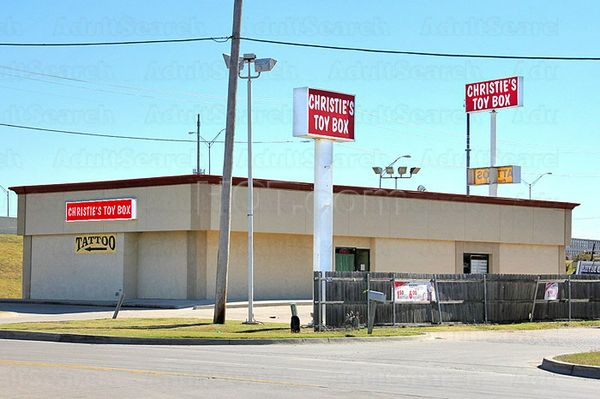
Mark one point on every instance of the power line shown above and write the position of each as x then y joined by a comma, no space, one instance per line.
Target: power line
220,39
223,39
420,53
139,138
134,90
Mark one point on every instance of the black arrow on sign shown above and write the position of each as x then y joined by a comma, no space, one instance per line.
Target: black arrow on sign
95,249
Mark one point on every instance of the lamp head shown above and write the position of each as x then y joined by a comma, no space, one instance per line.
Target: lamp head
227,59
389,170
401,170
415,170
377,170
264,64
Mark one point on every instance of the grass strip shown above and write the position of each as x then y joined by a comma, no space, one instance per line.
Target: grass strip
584,358
198,328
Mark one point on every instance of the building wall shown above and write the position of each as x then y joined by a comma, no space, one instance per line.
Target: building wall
170,251
58,273
282,266
415,256
162,265
532,259
162,208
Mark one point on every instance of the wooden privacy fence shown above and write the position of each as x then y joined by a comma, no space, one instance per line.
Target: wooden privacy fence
340,298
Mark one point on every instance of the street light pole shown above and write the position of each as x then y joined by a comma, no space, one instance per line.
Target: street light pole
209,144
250,318
535,181
260,65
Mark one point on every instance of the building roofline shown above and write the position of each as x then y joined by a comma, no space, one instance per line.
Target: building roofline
284,185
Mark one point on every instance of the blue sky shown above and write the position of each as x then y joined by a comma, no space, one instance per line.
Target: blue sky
405,105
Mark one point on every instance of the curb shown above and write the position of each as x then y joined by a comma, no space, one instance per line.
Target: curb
576,370
98,339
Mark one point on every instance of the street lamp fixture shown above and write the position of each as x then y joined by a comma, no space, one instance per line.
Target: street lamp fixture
388,171
209,144
260,65
535,181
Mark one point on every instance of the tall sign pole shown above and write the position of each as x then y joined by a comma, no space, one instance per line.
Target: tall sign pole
491,95
468,151
225,214
198,145
323,206
493,175
327,117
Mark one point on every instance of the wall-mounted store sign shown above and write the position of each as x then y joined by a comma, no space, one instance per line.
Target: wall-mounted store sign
499,174
494,94
95,244
323,114
101,210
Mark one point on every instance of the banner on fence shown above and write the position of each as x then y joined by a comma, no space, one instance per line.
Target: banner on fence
406,291
551,292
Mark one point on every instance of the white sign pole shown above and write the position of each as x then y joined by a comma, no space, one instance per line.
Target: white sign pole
323,212
493,174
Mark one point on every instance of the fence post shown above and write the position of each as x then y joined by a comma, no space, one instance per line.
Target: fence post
437,298
537,284
367,295
485,310
319,318
121,295
569,287
394,300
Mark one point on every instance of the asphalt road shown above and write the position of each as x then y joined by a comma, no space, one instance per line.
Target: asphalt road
443,365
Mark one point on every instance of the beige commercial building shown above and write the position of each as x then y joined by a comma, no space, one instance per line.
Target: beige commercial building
168,246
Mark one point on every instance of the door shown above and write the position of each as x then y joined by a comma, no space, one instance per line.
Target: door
352,259
362,263
344,259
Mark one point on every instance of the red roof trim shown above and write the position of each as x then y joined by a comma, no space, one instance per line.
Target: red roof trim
285,185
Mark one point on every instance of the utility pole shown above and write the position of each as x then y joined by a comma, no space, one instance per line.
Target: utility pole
225,214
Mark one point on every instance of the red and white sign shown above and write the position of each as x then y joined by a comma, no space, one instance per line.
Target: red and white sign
406,291
323,114
97,210
551,292
494,94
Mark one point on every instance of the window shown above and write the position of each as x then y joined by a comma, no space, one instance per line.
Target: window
476,263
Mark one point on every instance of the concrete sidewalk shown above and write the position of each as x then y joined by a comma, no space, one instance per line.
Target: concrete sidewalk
264,311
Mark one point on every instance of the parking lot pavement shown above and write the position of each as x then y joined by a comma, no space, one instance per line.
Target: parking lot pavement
490,364
24,313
